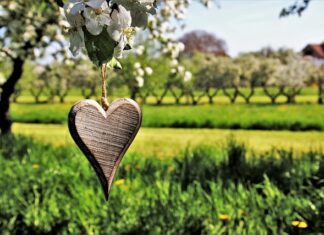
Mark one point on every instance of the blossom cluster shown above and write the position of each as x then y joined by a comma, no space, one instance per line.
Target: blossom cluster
105,28
179,70
139,73
163,26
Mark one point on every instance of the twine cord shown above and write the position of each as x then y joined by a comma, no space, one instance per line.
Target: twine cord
104,101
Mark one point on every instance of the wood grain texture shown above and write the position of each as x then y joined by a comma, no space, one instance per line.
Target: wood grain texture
105,136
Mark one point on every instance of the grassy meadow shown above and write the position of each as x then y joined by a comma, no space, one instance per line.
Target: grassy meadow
206,169
168,142
257,116
53,190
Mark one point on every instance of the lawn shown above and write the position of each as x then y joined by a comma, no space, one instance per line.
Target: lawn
168,142
47,190
297,117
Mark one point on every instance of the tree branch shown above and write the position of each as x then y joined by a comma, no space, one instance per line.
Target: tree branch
7,53
296,8
60,3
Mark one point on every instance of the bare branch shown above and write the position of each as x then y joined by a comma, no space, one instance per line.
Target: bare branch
296,8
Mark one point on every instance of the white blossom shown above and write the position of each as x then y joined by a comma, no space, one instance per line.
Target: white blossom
97,16
121,19
140,81
187,76
137,65
149,71
120,29
139,10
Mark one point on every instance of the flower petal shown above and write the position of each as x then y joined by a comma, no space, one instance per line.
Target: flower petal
93,26
76,42
114,33
96,3
104,19
78,7
118,52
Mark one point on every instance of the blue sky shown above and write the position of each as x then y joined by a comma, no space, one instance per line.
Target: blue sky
248,25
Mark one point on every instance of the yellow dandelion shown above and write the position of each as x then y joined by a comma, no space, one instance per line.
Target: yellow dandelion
224,217
120,182
299,224
36,166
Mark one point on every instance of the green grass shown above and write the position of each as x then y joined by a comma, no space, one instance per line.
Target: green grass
168,142
47,190
298,117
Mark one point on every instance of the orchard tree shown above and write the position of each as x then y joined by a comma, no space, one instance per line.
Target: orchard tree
317,77
37,85
161,81
249,79
17,92
181,84
209,77
28,28
59,80
85,77
268,74
229,75
293,77
143,78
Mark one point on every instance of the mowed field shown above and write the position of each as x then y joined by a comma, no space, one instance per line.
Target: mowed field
303,116
168,129
169,142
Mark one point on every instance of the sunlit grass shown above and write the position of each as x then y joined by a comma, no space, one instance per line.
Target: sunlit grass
170,142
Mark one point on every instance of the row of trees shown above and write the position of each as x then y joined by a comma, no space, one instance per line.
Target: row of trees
277,73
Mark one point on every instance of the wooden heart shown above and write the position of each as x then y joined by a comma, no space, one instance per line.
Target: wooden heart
104,136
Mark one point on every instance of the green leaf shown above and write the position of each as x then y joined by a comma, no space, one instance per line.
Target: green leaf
114,64
100,48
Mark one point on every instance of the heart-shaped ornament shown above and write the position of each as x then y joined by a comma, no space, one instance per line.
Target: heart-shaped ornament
104,136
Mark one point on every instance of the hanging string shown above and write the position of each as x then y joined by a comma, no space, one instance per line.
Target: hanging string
104,101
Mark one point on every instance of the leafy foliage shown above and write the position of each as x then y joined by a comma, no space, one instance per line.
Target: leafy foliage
100,48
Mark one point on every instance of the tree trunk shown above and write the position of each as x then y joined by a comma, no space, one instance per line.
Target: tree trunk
144,99
231,97
177,97
273,97
210,99
36,99
195,100
291,99
211,95
159,99
320,93
291,96
62,99
134,92
8,89
14,99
